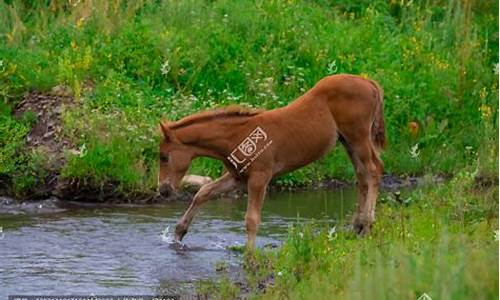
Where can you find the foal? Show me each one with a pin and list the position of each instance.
(257, 145)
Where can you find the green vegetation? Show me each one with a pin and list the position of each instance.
(130, 63)
(27, 167)
(442, 241)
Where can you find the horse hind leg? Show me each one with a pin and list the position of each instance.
(370, 174)
(368, 168)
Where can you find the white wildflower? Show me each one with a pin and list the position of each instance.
(414, 152)
(331, 233)
(165, 67)
(82, 151)
(468, 150)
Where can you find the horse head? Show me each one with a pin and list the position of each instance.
(175, 158)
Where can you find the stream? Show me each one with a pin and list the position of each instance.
(62, 248)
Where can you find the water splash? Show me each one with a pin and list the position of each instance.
(164, 233)
(166, 236)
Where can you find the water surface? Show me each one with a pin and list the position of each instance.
(49, 249)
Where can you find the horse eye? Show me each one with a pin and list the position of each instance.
(164, 158)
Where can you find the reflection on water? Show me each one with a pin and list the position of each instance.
(120, 250)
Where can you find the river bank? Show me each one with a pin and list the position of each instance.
(109, 194)
(48, 139)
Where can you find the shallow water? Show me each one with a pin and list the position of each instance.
(47, 249)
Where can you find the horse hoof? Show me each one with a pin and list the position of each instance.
(178, 238)
(180, 232)
(362, 228)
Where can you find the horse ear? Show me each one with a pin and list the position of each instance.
(167, 133)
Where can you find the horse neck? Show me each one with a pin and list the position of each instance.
(212, 138)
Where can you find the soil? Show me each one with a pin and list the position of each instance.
(389, 182)
(46, 135)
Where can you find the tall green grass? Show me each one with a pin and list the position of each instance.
(441, 241)
(130, 63)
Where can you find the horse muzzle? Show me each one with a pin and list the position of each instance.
(166, 190)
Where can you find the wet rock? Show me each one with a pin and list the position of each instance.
(391, 182)
(11, 206)
(271, 246)
(485, 182)
(4, 201)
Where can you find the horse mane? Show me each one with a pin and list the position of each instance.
(227, 112)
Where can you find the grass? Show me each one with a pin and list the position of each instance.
(130, 63)
(439, 240)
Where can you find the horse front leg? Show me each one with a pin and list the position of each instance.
(223, 184)
(257, 185)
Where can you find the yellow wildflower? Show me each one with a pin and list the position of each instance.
(485, 111)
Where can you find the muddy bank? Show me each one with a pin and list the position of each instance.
(47, 138)
(82, 192)
(389, 182)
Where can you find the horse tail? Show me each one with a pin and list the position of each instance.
(378, 126)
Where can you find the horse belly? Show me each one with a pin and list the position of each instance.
(304, 145)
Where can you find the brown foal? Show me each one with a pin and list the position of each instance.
(256, 145)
